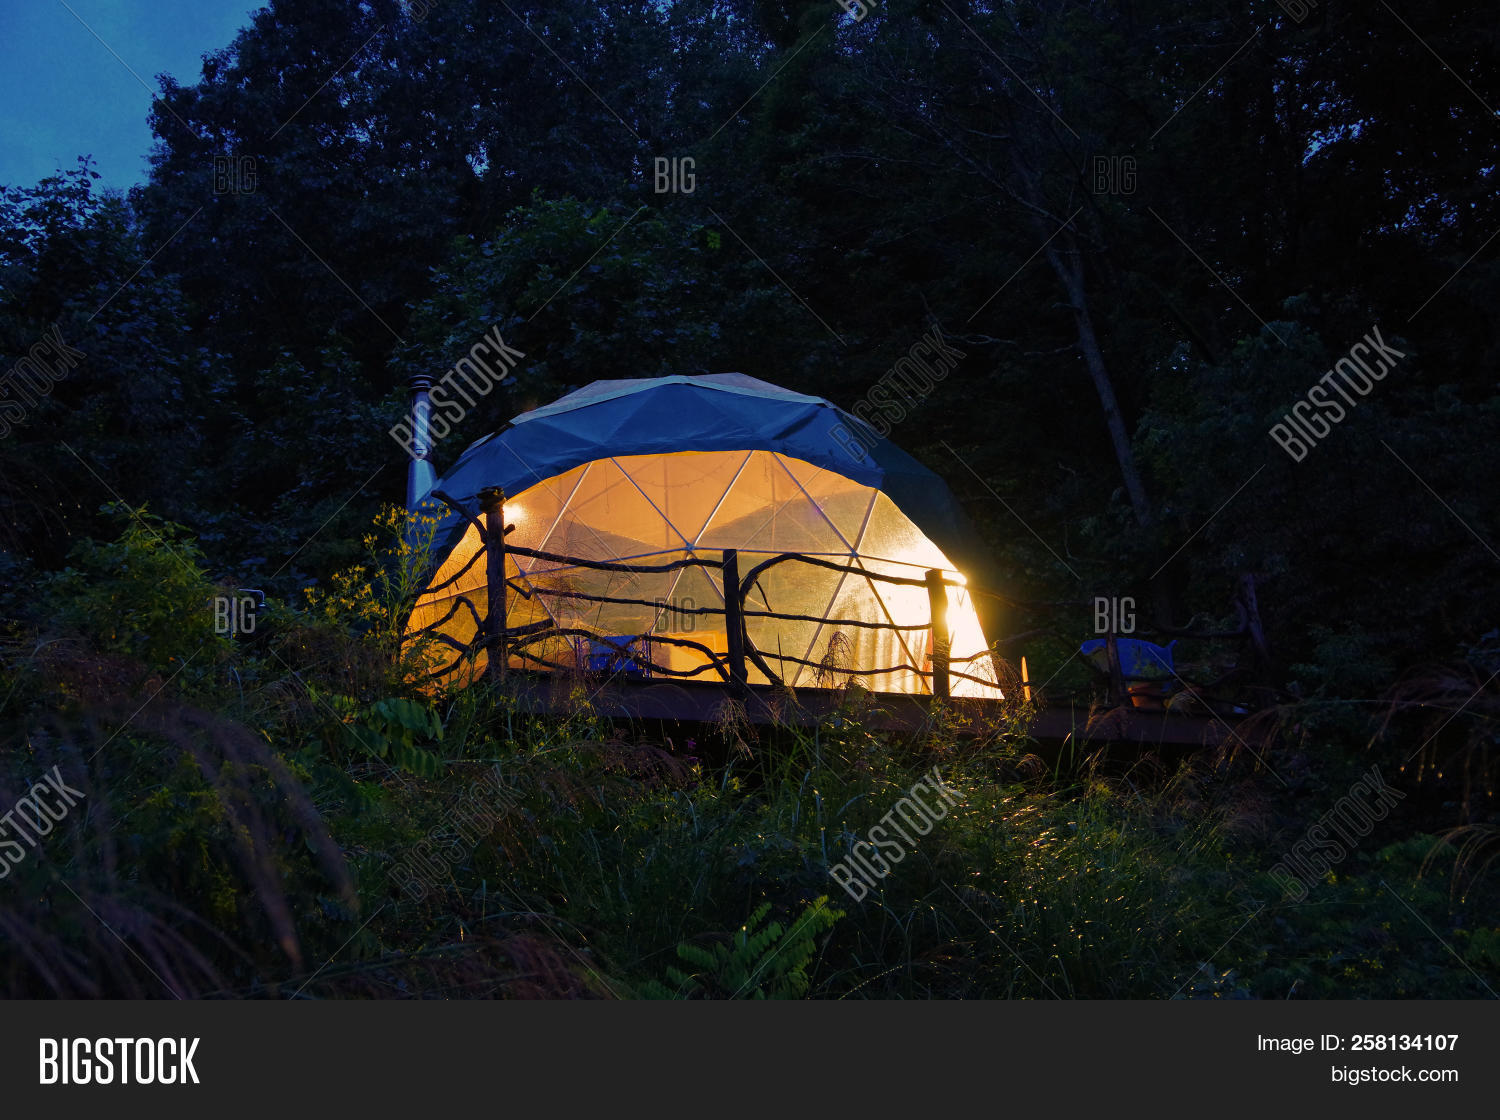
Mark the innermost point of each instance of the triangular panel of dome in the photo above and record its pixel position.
(842, 501)
(766, 510)
(609, 518)
(686, 486)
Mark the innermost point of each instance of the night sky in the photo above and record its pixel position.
(65, 94)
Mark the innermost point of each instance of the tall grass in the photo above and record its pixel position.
(248, 807)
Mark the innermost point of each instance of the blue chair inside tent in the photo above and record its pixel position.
(626, 654)
(1139, 661)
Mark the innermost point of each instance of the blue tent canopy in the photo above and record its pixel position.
(718, 412)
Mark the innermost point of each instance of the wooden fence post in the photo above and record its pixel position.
(492, 503)
(734, 619)
(937, 600)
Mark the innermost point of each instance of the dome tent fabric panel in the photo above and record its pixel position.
(647, 471)
(598, 391)
(720, 412)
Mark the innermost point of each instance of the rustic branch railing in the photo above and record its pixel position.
(500, 642)
(612, 565)
(622, 648)
(903, 667)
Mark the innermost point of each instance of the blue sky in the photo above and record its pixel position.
(63, 94)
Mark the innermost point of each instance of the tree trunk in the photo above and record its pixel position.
(1070, 272)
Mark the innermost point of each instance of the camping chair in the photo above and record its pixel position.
(1147, 669)
(623, 654)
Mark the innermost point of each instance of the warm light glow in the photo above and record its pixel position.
(656, 508)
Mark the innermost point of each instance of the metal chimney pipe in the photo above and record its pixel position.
(420, 477)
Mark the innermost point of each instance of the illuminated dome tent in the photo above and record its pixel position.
(647, 472)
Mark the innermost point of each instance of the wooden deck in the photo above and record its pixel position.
(703, 703)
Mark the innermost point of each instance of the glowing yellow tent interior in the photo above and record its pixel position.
(650, 471)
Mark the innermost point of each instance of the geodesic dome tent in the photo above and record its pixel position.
(666, 473)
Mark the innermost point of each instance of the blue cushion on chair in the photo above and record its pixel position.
(1138, 660)
(616, 654)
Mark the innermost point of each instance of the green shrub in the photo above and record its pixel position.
(143, 596)
(767, 962)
